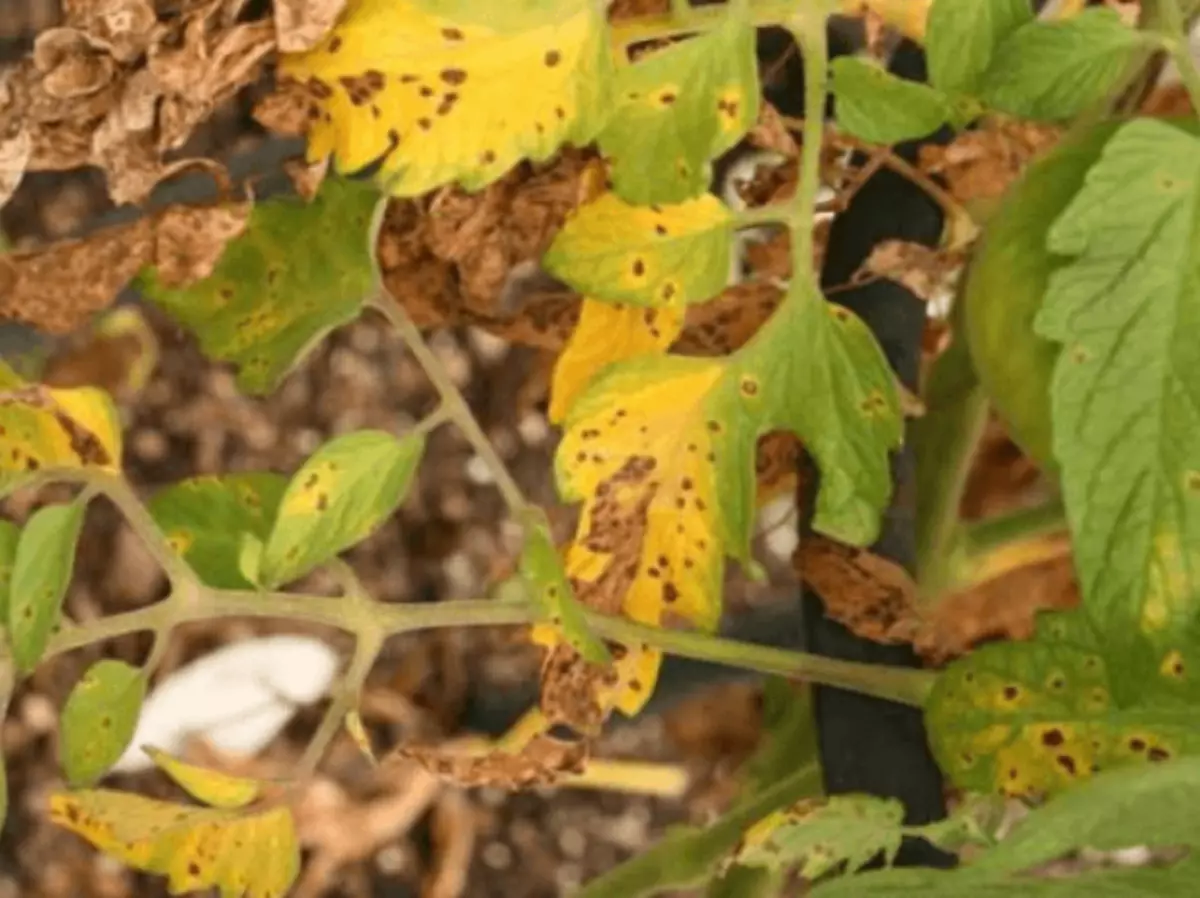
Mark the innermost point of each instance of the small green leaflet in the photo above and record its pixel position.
(671, 256)
(10, 533)
(542, 568)
(1038, 717)
(683, 105)
(962, 35)
(340, 495)
(298, 271)
(821, 834)
(1125, 388)
(204, 519)
(41, 574)
(99, 719)
(1054, 70)
(876, 106)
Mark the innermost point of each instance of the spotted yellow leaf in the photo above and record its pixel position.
(45, 429)
(663, 256)
(607, 333)
(209, 786)
(242, 854)
(454, 92)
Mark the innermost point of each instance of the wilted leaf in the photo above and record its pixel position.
(98, 719)
(340, 495)
(541, 761)
(1055, 70)
(41, 574)
(15, 150)
(1124, 387)
(607, 333)
(542, 568)
(204, 518)
(683, 105)
(669, 256)
(298, 271)
(243, 853)
(1036, 717)
(876, 106)
(432, 91)
(817, 835)
(124, 28)
(962, 35)
(220, 790)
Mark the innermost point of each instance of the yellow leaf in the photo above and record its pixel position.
(607, 333)
(43, 428)
(243, 854)
(209, 786)
(358, 733)
(454, 95)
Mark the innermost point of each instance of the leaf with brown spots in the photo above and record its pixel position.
(99, 719)
(543, 760)
(874, 597)
(1032, 718)
(252, 853)
(454, 95)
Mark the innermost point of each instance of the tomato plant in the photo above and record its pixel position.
(1077, 322)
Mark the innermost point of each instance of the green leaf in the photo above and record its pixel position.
(682, 106)
(340, 495)
(1056, 70)
(41, 574)
(99, 719)
(1126, 310)
(542, 568)
(962, 35)
(645, 255)
(298, 271)
(688, 855)
(10, 533)
(820, 835)
(204, 519)
(1029, 718)
(874, 105)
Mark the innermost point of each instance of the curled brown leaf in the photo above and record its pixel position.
(300, 24)
(542, 761)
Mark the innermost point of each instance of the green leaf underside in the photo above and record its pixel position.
(298, 271)
(1038, 717)
(961, 37)
(10, 534)
(205, 518)
(876, 106)
(41, 574)
(1126, 394)
(683, 105)
(340, 495)
(99, 719)
(1056, 70)
(542, 568)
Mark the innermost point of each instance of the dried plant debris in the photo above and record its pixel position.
(57, 288)
(927, 272)
(117, 88)
(300, 24)
(542, 761)
(978, 165)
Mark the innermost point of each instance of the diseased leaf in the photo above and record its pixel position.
(98, 720)
(876, 106)
(542, 568)
(1055, 70)
(1124, 391)
(41, 574)
(1037, 717)
(43, 429)
(668, 256)
(817, 835)
(10, 533)
(220, 790)
(204, 519)
(298, 271)
(432, 88)
(340, 495)
(683, 105)
(255, 854)
(962, 35)
(607, 333)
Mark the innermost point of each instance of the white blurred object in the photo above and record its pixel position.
(237, 699)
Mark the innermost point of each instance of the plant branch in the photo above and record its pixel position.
(346, 699)
(808, 26)
(1175, 32)
(122, 495)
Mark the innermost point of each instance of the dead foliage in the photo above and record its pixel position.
(926, 272)
(542, 761)
(980, 164)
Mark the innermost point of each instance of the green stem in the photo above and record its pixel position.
(456, 408)
(808, 26)
(986, 536)
(122, 495)
(776, 213)
(346, 699)
(1175, 32)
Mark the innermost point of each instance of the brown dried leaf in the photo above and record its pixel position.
(874, 597)
(776, 465)
(922, 270)
(70, 65)
(286, 110)
(14, 155)
(980, 164)
(770, 132)
(571, 688)
(123, 28)
(300, 24)
(306, 178)
(542, 761)
(190, 240)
